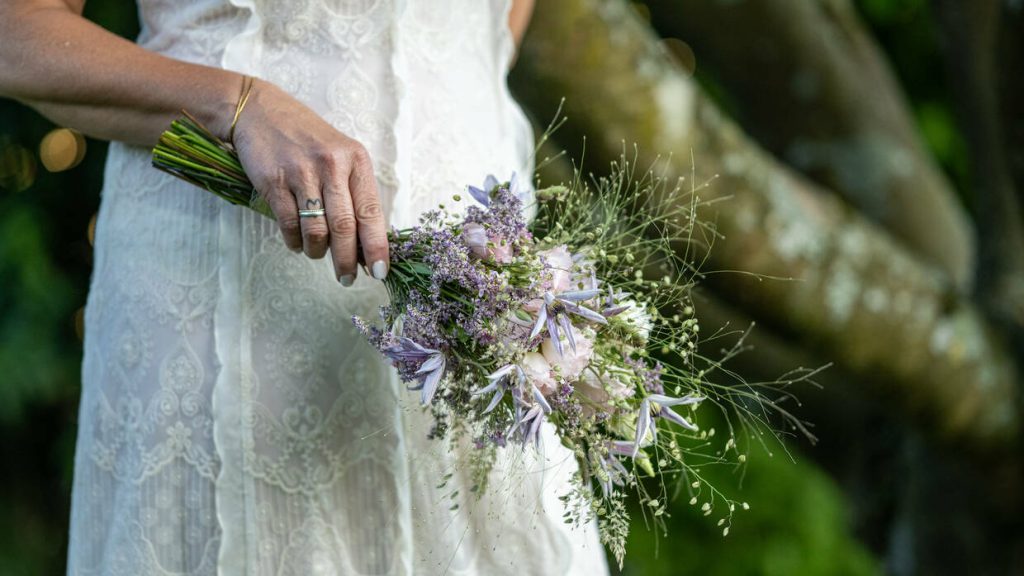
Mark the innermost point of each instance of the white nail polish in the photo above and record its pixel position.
(380, 270)
(346, 280)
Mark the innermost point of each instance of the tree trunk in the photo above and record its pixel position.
(972, 31)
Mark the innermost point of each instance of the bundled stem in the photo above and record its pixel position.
(188, 150)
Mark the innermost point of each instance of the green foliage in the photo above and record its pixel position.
(943, 137)
(892, 10)
(35, 307)
(908, 33)
(796, 525)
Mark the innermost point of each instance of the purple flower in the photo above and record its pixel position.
(484, 195)
(431, 371)
(430, 366)
(645, 422)
(498, 384)
(555, 310)
(529, 425)
(611, 472)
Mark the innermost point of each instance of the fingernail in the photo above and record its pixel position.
(347, 280)
(380, 270)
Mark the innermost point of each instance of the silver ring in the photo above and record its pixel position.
(312, 213)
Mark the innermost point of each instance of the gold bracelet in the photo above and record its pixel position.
(247, 83)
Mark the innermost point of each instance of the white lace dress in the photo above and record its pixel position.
(232, 421)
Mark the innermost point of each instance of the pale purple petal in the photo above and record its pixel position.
(621, 447)
(663, 400)
(541, 400)
(563, 321)
(535, 429)
(431, 382)
(431, 364)
(498, 395)
(542, 317)
(579, 295)
(643, 422)
(585, 313)
(501, 372)
(670, 414)
(489, 388)
(553, 333)
(549, 298)
(481, 196)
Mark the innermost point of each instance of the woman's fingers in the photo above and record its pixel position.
(341, 220)
(323, 193)
(310, 206)
(282, 204)
(368, 214)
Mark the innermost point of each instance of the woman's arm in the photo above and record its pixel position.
(519, 20)
(84, 77)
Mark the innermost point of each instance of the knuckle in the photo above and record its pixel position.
(277, 180)
(359, 157)
(270, 184)
(329, 158)
(369, 210)
(315, 235)
(343, 224)
(289, 225)
(300, 182)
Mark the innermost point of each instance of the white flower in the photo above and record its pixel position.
(602, 390)
(572, 360)
(538, 372)
(636, 317)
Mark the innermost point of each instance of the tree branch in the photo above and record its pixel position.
(858, 297)
(813, 87)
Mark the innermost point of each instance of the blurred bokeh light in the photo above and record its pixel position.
(62, 149)
(17, 166)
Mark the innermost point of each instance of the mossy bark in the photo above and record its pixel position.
(853, 292)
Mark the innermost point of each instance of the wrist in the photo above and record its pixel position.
(218, 109)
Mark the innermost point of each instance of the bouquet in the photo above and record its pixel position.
(581, 317)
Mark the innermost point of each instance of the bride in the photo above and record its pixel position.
(231, 420)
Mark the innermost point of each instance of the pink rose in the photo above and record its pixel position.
(500, 250)
(533, 306)
(570, 363)
(484, 245)
(559, 262)
(538, 372)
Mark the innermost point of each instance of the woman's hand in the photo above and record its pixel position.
(297, 161)
(110, 88)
